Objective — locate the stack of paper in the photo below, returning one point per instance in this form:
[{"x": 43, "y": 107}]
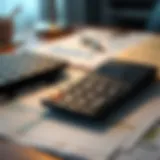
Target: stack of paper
[{"x": 148, "y": 147}]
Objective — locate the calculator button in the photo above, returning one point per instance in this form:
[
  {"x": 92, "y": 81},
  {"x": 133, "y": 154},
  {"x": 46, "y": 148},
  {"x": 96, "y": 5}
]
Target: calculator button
[
  {"x": 100, "y": 88},
  {"x": 82, "y": 102},
  {"x": 79, "y": 105},
  {"x": 68, "y": 99},
  {"x": 88, "y": 85},
  {"x": 90, "y": 96},
  {"x": 78, "y": 92},
  {"x": 72, "y": 107},
  {"x": 114, "y": 90},
  {"x": 86, "y": 109},
  {"x": 98, "y": 103}
]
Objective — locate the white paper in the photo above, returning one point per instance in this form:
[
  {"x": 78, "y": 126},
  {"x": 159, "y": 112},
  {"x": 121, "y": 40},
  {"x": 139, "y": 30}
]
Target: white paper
[
  {"x": 76, "y": 140},
  {"x": 143, "y": 119},
  {"x": 14, "y": 120},
  {"x": 72, "y": 49}
]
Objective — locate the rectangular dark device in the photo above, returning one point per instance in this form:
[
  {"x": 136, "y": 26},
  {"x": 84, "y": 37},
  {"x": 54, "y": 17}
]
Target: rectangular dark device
[
  {"x": 104, "y": 90},
  {"x": 21, "y": 69}
]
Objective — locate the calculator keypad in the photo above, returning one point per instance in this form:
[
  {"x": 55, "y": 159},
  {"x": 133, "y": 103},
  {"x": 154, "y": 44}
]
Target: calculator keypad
[{"x": 91, "y": 94}]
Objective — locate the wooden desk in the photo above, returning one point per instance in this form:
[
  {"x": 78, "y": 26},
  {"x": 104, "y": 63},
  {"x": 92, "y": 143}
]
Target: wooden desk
[
  {"x": 11, "y": 151},
  {"x": 147, "y": 52}
]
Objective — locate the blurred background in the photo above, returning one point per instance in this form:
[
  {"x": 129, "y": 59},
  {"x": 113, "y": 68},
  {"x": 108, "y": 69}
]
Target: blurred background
[
  {"x": 142, "y": 14},
  {"x": 83, "y": 35}
]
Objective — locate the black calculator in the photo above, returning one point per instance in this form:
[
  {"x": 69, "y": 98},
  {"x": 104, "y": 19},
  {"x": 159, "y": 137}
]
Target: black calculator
[
  {"x": 18, "y": 70},
  {"x": 104, "y": 90}
]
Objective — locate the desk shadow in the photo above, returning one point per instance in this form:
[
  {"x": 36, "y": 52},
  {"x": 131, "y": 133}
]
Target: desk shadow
[{"x": 102, "y": 125}]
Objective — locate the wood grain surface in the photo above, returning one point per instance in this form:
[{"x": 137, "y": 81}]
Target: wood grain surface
[{"x": 14, "y": 152}]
